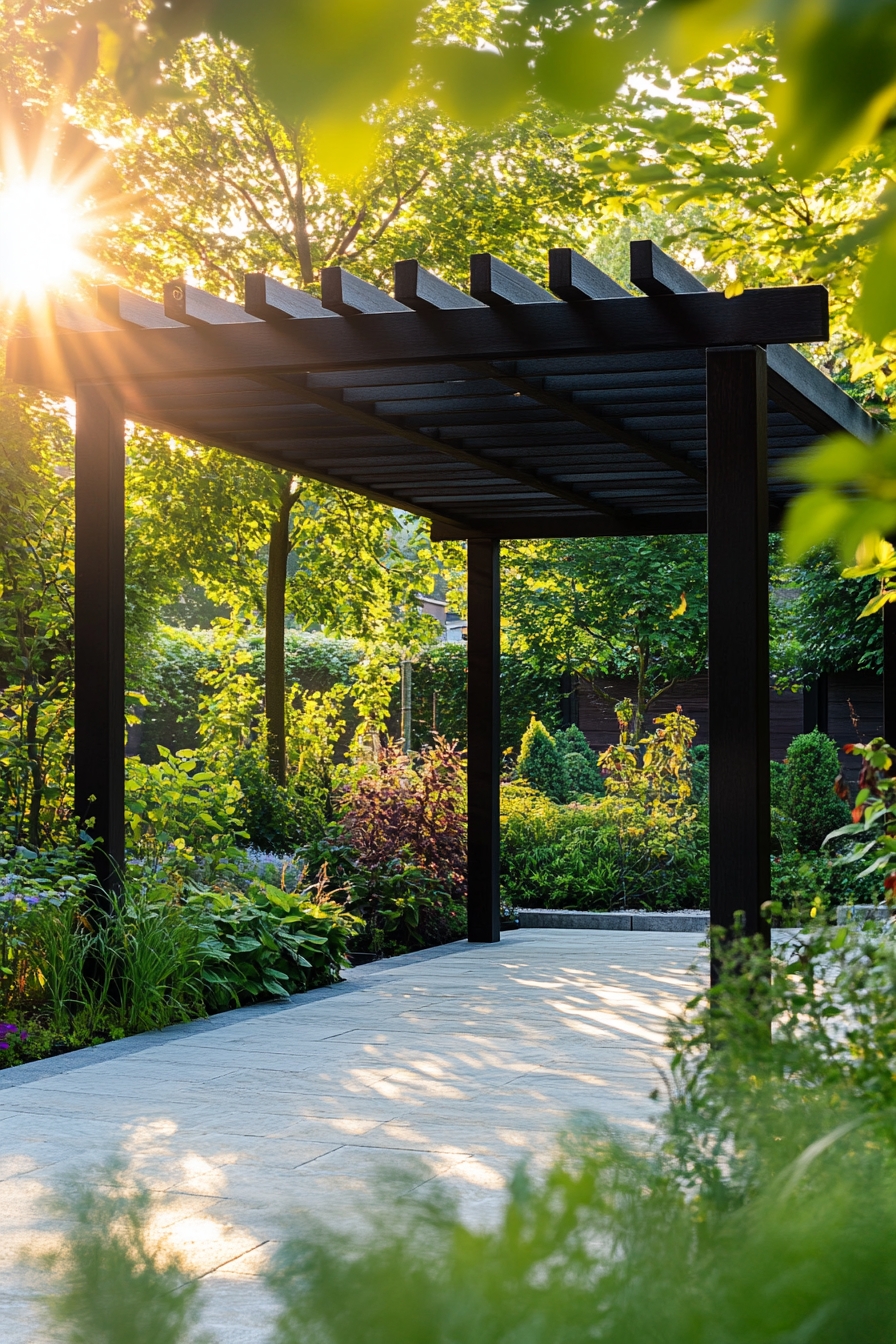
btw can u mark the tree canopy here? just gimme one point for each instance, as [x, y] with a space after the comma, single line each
[610, 607]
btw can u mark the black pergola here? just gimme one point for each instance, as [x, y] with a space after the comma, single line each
[512, 411]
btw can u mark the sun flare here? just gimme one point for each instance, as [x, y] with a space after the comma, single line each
[41, 228]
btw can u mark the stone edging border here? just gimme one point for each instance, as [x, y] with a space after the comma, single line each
[644, 921]
[354, 979]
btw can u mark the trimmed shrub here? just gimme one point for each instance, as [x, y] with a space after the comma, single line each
[581, 771]
[812, 766]
[573, 857]
[540, 764]
[555, 856]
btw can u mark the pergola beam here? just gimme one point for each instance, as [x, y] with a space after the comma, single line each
[571, 410]
[610, 326]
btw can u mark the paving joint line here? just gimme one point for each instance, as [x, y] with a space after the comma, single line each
[358, 978]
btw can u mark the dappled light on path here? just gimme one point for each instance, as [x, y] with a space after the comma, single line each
[417, 1076]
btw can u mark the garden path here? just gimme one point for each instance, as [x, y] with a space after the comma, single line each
[447, 1066]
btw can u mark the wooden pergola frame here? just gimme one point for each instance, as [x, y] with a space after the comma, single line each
[509, 411]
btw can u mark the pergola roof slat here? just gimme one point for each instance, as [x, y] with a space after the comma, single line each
[581, 408]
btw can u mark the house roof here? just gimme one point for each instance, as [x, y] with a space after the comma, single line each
[509, 411]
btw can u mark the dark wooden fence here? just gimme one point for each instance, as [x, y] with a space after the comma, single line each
[848, 705]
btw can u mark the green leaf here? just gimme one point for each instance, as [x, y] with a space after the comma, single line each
[477, 87]
[811, 520]
[875, 312]
[579, 70]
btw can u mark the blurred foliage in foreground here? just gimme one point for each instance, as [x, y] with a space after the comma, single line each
[765, 1209]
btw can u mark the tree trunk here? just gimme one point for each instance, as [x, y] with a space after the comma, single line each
[641, 696]
[274, 621]
[303, 242]
[37, 776]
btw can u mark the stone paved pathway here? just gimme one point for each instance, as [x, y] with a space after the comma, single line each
[448, 1067]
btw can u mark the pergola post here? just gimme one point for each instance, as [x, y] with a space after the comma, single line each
[889, 715]
[737, 536]
[483, 740]
[99, 627]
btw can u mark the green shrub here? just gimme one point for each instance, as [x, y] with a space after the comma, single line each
[554, 856]
[803, 883]
[540, 764]
[807, 795]
[699, 754]
[181, 660]
[581, 772]
[163, 951]
[181, 815]
[570, 857]
[268, 813]
[400, 906]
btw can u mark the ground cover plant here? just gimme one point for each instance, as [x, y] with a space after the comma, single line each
[79, 966]
[764, 1208]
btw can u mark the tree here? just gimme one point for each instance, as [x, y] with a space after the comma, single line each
[36, 602]
[621, 607]
[693, 159]
[222, 185]
[219, 184]
[817, 627]
[262, 545]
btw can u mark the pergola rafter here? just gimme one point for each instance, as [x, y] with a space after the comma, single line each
[512, 411]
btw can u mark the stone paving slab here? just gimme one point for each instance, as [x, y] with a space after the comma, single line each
[443, 1069]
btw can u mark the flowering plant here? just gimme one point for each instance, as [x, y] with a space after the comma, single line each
[873, 825]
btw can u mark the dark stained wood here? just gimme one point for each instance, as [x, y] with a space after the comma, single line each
[799, 387]
[121, 307]
[72, 318]
[418, 288]
[301, 468]
[737, 545]
[815, 705]
[443, 446]
[99, 628]
[654, 272]
[573, 525]
[573, 278]
[796, 384]
[516, 332]
[495, 283]
[344, 293]
[484, 738]
[273, 301]
[583, 415]
[196, 308]
[889, 678]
